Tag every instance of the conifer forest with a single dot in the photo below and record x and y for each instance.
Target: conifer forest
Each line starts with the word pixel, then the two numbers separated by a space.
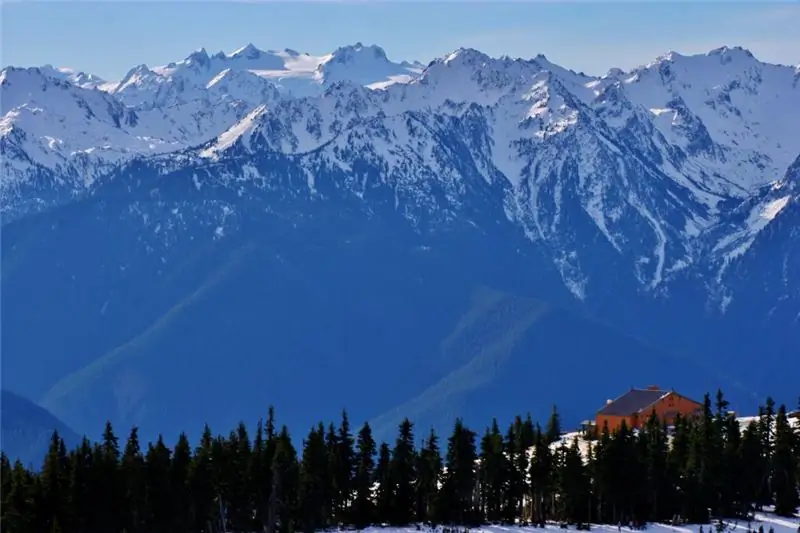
pixel 255 479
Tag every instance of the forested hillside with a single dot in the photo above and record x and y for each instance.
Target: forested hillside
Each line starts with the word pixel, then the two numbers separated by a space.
pixel 698 471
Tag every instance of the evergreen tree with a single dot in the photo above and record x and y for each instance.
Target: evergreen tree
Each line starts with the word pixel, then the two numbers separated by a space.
pixel 343 470
pixel 179 483
pixel 108 486
pixel 541 474
pixel 573 485
pixel 132 472
pixel 553 433
pixel 456 504
pixel 363 512
pixel 766 422
pixel 385 492
pixel 429 468
pixel 5 484
pixel 200 481
pixel 258 480
pixel 240 495
pixel 54 483
pixel 517 442
pixel 784 467
pixel 20 513
pixel 403 475
pixel 493 474
pixel 752 473
pixel 158 464
pixel 656 449
pixel 332 447
pixel 282 513
pixel 314 486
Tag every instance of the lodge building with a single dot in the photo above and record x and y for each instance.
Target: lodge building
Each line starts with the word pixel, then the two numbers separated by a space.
pixel 637 405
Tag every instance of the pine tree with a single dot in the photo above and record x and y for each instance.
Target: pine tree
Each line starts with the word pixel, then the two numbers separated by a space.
pixel 541 474
pixel 343 468
pixel 403 475
pixel 240 494
pixel 20 514
pixel 132 471
pixel 5 484
pixel 766 423
pixel 733 504
pixel 54 482
pixel 784 466
pixel 282 514
pixel 516 444
pixel 179 483
pixel 385 492
pixel 752 473
pixel 157 466
pixel 493 474
pixel 456 503
pixel 201 487
pixel 79 486
pixel 313 482
pixel 258 480
pixel 429 469
pixel 654 437
pixel 702 468
pixel 332 447
pixel 553 433
pixel 363 511
pixel 108 486
pixel 573 485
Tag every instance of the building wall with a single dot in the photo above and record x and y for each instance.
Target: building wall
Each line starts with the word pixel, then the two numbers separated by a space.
pixel 667 407
pixel 614 422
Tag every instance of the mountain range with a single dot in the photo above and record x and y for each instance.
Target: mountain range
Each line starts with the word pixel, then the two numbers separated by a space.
pixel 473 237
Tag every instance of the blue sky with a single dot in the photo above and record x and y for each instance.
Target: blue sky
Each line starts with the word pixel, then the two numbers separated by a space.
pixel 110 37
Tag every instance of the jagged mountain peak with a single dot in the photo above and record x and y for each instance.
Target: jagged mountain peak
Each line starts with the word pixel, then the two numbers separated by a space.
pixel 734 51
pixel 199 57
pixel 345 54
pixel 248 51
pixel 364 65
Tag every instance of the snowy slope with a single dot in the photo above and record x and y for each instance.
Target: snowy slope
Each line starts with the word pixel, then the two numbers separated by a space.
pixel 735 116
pixel 650 165
pixel 77 134
pixel 767 520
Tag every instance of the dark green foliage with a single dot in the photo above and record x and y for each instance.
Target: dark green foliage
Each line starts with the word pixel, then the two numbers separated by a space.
pixel 429 470
pixel 363 510
pixel 314 482
pixel 403 475
pixel 456 504
pixel 784 466
pixel 703 469
pixel 493 473
pixel 133 475
pixel 385 490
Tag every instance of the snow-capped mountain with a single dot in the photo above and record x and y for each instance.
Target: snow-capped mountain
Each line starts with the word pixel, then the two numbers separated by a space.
pixel 292 73
pixel 659 199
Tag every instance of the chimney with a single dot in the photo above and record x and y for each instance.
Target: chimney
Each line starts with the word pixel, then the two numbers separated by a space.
pixel 653 387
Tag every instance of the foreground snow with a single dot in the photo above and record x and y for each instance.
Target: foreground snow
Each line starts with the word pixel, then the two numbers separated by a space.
pixel 766 520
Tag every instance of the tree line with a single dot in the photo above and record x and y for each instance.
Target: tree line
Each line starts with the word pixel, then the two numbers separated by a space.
pixel 696 471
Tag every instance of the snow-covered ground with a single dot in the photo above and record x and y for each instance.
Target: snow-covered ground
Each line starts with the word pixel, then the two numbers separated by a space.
pixel 766 520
